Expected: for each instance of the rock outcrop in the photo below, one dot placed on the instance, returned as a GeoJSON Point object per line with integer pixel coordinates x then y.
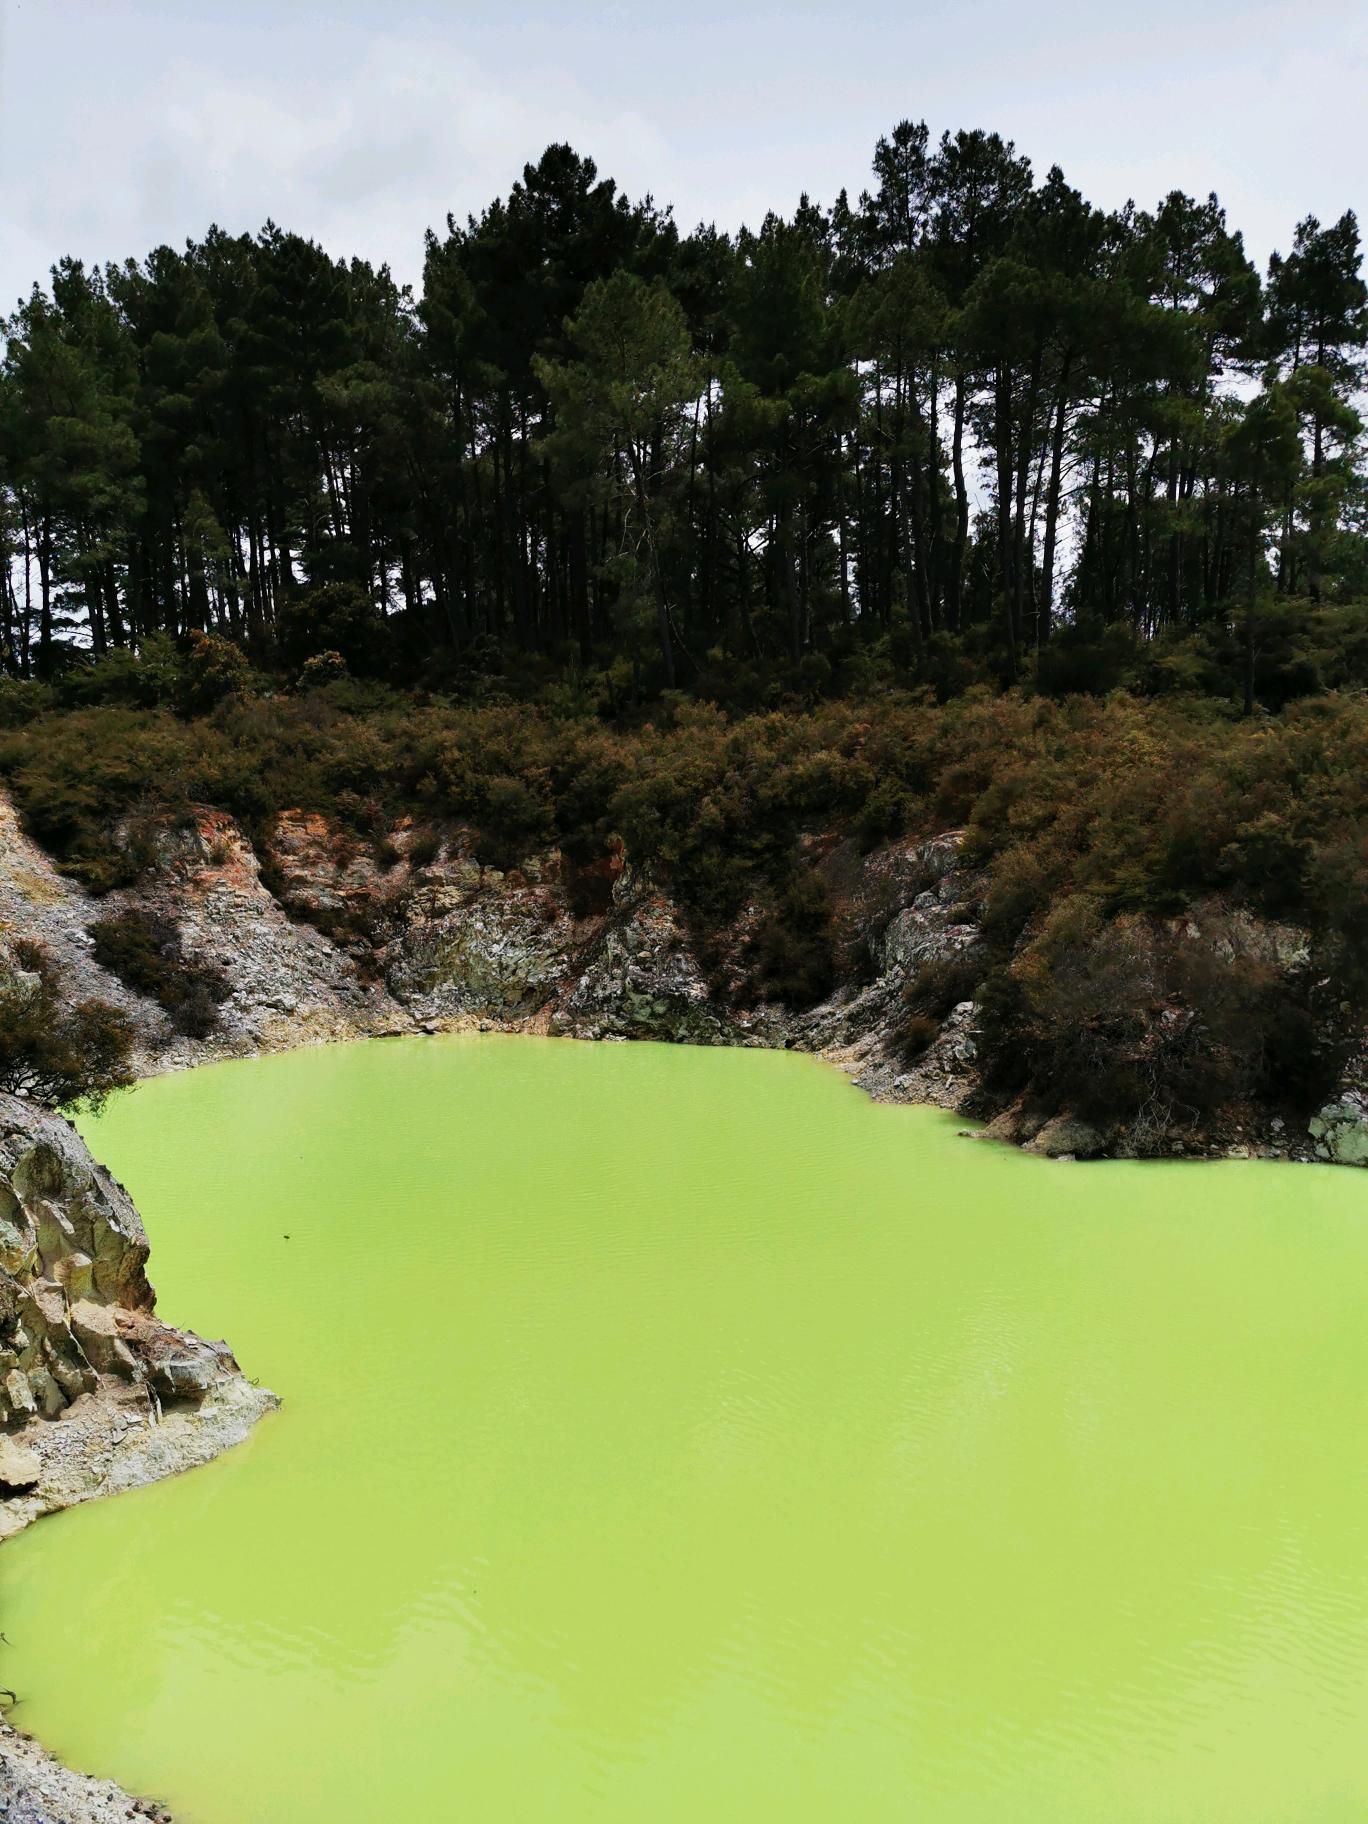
{"type": "Point", "coordinates": [638, 977]}
{"type": "Point", "coordinates": [909, 914]}
{"type": "Point", "coordinates": [97, 1394]}
{"type": "Point", "coordinates": [324, 935]}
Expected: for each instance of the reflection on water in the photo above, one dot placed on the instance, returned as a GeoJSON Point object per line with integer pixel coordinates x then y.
{"type": "Point", "coordinates": [673, 1435]}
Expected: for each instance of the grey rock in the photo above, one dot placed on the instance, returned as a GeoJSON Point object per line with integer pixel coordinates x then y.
{"type": "Point", "coordinates": [1340, 1130]}
{"type": "Point", "coordinates": [19, 1394]}
{"type": "Point", "coordinates": [20, 1467]}
{"type": "Point", "coordinates": [1067, 1137]}
{"type": "Point", "coordinates": [79, 1342]}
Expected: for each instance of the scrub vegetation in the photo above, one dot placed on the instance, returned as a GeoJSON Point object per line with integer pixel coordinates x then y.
{"type": "Point", "coordinates": [60, 1054]}
{"type": "Point", "coordinates": [1098, 823]}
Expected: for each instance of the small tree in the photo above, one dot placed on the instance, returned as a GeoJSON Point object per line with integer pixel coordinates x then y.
{"type": "Point", "coordinates": [212, 671]}
{"type": "Point", "coordinates": [63, 1055]}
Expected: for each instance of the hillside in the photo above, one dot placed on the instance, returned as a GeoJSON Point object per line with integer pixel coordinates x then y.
{"type": "Point", "coordinates": [1140, 917]}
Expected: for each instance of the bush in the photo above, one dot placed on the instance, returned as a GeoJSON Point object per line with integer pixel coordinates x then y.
{"type": "Point", "coordinates": [67, 1056]}
{"type": "Point", "coordinates": [885, 814]}
{"type": "Point", "coordinates": [212, 671]}
{"type": "Point", "coordinates": [514, 822]}
{"type": "Point", "coordinates": [912, 1035]}
{"type": "Point", "coordinates": [1020, 888]}
{"type": "Point", "coordinates": [322, 668]}
{"type": "Point", "coordinates": [151, 678]}
{"type": "Point", "coordinates": [1136, 1022]}
{"type": "Point", "coordinates": [1143, 808]}
{"type": "Point", "coordinates": [144, 950]}
{"type": "Point", "coordinates": [1087, 657]}
{"type": "Point", "coordinates": [22, 701]}
{"type": "Point", "coordinates": [939, 987]}
{"type": "Point", "coordinates": [333, 620]}
{"type": "Point", "coordinates": [792, 954]}
{"type": "Point", "coordinates": [425, 845]}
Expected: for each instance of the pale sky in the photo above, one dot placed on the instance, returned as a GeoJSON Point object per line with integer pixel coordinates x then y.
{"type": "Point", "coordinates": [127, 123]}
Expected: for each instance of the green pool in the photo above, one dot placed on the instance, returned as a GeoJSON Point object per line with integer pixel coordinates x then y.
{"type": "Point", "coordinates": [674, 1436]}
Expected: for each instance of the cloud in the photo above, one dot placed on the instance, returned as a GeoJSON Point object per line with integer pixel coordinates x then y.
{"type": "Point", "coordinates": [364, 165]}
{"type": "Point", "coordinates": [124, 126]}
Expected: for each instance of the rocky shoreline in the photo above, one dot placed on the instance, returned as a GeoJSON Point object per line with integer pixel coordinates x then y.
{"type": "Point", "coordinates": [35, 1788]}
{"type": "Point", "coordinates": [318, 935]}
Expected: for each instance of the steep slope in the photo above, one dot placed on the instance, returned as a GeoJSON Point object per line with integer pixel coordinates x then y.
{"type": "Point", "coordinates": [324, 936]}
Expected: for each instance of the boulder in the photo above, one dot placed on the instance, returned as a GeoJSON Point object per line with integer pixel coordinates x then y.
{"type": "Point", "coordinates": [180, 1366]}
{"type": "Point", "coordinates": [51, 1400]}
{"type": "Point", "coordinates": [19, 1394]}
{"type": "Point", "coordinates": [1004, 1126]}
{"type": "Point", "coordinates": [20, 1467]}
{"type": "Point", "coordinates": [43, 1306]}
{"type": "Point", "coordinates": [1068, 1137]}
{"type": "Point", "coordinates": [96, 1331]}
{"type": "Point", "coordinates": [76, 1273]}
{"type": "Point", "coordinates": [1340, 1131]}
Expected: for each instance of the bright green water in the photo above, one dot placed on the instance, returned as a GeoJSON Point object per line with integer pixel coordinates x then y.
{"type": "Point", "coordinates": [674, 1437]}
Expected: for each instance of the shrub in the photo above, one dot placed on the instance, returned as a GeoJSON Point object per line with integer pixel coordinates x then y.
{"type": "Point", "coordinates": [212, 671]}
{"type": "Point", "coordinates": [913, 1033]}
{"type": "Point", "coordinates": [791, 955]}
{"type": "Point", "coordinates": [67, 1056]}
{"type": "Point", "coordinates": [332, 619]}
{"type": "Point", "coordinates": [513, 824]}
{"type": "Point", "coordinates": [1020, 887]}
{"type": "Point", "coordinates": [937, 988]}
{"type": "Point", "coordinates": [1142, 807]}
{"type": "Point", "coordinates": [21, 701]}
{"type": "Point", "coordinates": [425, 845]}
{"type": "Point", "coordinates": [322, 668]}
{"type": "Point", "coordinates": [886, 813]}
{"type": "Point", "coordinates": [151, 678]}
{"type": "Point", "coordinates": [1088, 657]}
{"type": "Point", "coordinates": [1133, 1021]}
{"type": "Point", "coordinates": [144, 950]}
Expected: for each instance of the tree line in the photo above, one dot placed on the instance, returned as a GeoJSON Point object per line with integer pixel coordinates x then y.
{"type": "Point", "coordinates": [934, 426]}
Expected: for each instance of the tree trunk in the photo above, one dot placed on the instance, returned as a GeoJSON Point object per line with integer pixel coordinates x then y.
{"type": "Point", "coordinates": [657, 580]}
{"type": "Point", "coordinates": [954, 582]}
{"type": "Point", "coordinates": [1249, 609]}
{"type": "Point", "coordinates": [1045, 615]}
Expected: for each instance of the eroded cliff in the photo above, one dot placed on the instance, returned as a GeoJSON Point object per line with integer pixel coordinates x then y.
{"type": "Point", "coordinates": [319, 934]}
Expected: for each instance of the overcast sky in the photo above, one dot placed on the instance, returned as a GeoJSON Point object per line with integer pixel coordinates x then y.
{"type": "Point", "coordinates": [126, 123]}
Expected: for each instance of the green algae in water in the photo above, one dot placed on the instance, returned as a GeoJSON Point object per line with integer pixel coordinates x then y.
{"type": "Point", "coordinates": [674, 1435]}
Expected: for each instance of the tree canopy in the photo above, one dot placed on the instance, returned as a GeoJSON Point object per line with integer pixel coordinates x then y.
{"type": "Point", "coordinates": [940, 429]}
